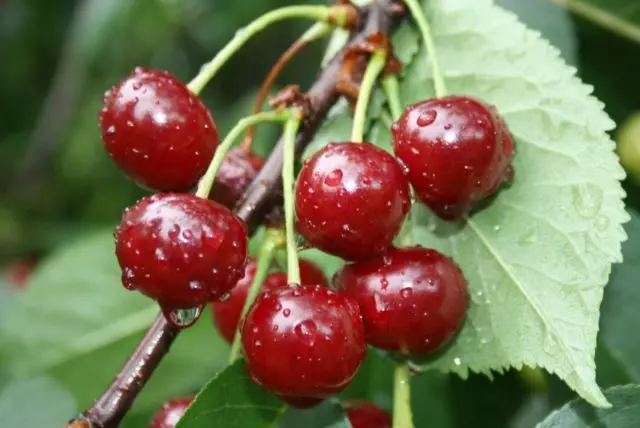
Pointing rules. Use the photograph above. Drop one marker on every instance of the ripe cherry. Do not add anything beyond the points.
(226, 314)
(413, 300)
(17, 273)
(170, 413)
(181, 250)
(237, 171)
(157, 131)
(457, 151)
(351, 200)
(366, 415)
(303, 341)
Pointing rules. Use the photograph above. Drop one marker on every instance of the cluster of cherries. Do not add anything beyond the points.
(304, 342)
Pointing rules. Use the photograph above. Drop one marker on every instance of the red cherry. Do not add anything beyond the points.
(301, 402)
(157, 131)
(413, 300)
(351, 200)
(237, 171)
(303, 341)
(170, 413)
(181, 250)
(366, 415)
(457, 151)
(226, 314)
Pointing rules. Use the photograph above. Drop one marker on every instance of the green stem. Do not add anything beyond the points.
(208, 70)
(402, 416)
(374, 68)
(263, 263)
(289, 136)
(423, 24)
(206, 182)
(392, 91)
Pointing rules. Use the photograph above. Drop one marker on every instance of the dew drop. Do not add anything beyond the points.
(182, 318)
(334, 178)
(406, 292)
(286, 312)
(384, 283)
(602, 223)
(195, 285)
(448, 126)
(457, 361)
(111, 130)
(587, 199)
(128, 279)
(427, 118)
(306, 332)
(129, 124)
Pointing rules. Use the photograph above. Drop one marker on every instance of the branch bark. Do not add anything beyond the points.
(260, 197)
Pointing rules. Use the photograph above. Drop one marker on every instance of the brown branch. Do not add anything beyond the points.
(112, 406)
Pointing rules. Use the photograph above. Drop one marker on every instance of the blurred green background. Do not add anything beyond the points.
(56, 182)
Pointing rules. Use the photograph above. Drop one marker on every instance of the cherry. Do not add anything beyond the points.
(170, 413)
(180, 250)
(236, 172)
(351, 200)
(413, 300)
(457, 151)
(366, 415)
(17, 273)
(301, 402)
(226, 314)
(303, 341)
(157, 131)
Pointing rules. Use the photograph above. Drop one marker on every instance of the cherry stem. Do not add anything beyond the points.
(392, 92)
(273, 240)
(289, 137)
(206, 182)
(425, 29)
(316, 13)
(375, 66)
(315, 32)
(402, 416)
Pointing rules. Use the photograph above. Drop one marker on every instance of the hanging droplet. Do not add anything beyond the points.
(182, 318)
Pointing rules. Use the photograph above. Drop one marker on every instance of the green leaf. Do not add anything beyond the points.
(232, 400)
(329, 414)
(618, 357)
(619, 16)
(624, 413)
(36, 402)
(538, 256)
(75, 315)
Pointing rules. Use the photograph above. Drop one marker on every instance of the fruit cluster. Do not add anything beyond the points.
(303, 342)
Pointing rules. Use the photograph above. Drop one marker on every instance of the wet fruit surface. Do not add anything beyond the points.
(413, 300)
(457, 151)
(181, 250)
(234, 176)
(170, 413)
(366, 415)
(351, 200)
(304, 341)
(157, 131)
(226, 314)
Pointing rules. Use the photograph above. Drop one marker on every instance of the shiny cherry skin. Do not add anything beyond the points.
(351, 200)
(157, 131)
(236, 172)
(181, 250)
(413, 300)
(366, 415)
(170, 413)
(457, 151)
(226, 314)
(303, 341)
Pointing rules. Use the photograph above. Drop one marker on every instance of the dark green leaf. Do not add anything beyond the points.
(619, 16)
(232, 400)
(75, 316)
(624, 413)
(619, 344)
(38, 402)
(329, 414)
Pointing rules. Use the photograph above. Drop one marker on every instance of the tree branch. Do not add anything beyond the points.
(260, 197)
